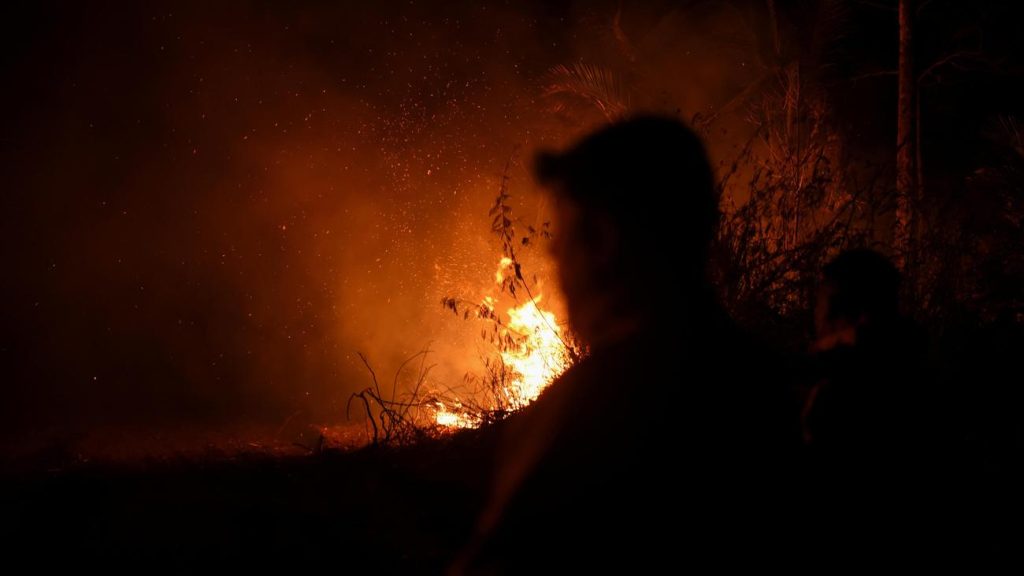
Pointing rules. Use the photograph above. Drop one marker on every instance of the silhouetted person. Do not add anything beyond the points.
(668, 445)
(865, 403)
(865, 419)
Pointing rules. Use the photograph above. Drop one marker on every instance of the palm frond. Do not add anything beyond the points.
(586, 84)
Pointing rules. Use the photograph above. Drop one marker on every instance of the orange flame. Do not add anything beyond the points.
(454, 418)
(538, 356)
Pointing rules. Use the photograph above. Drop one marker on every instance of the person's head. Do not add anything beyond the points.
(636, 210)
(859, 287)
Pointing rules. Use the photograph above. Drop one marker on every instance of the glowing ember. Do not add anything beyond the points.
(457, 418)
(503, 265)
(535, 357)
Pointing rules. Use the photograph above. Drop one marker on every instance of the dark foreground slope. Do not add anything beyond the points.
(389, 511)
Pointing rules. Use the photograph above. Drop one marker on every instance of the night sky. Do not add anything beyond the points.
(209, 207)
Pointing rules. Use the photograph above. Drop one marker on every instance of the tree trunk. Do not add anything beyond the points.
(905, 157)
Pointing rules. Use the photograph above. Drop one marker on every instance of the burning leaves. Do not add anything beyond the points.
(529, 350)
(539, 356)
(531, 353)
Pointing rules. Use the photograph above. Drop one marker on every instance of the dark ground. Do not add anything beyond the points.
(404, 511)
(361, 510)
(389, 511)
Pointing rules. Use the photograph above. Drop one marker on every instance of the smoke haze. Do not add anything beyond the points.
(210, 208)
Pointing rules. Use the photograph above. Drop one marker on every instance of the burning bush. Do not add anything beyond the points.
(529, 347)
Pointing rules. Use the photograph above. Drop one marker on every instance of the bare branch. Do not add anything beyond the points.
(952, 59)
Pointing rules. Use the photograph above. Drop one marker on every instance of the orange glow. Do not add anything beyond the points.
(457, 417)
(503, 265)
(541, 355)
(534, 356)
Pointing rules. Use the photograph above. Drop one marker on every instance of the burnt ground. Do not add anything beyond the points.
(380, 510)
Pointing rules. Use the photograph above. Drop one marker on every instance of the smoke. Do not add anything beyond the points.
(211, 208)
